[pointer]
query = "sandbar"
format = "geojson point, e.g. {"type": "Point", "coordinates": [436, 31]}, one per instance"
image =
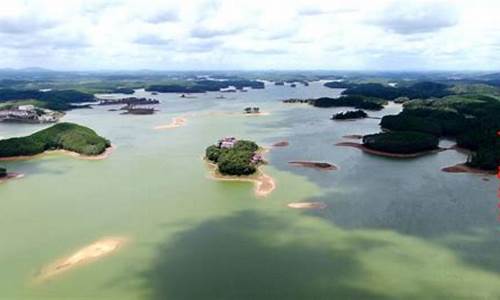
{"type": "Point", "coordinates": [307, 205]}
{"type": "Point", "coordinates": [263, 183]}
{"type": "Point", "coordinates": [84, 255]}
{"type": "Point", "coordinates": [463, 168]}
{"type": "Point", "coordinates": [281, 144]}
{"type": "Point", "coordinates": [176, 123]}
{"type": "Point", "coordinates": [101, 156]}
{"type": "Point", "coordinates": [11, 176]}
{"type": "Point", "coordinates": [388, 154]}
{"type": "Point", "coordinates": [314, 164]}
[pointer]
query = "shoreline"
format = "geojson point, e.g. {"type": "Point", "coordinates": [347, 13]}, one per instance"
{"type": "Point", "coordinates": [388, 154]}
{"type": "Point", "coordinates": [307, 205]}
{"type": "Point", "coordinates": [280, 144]}
{"type": "Point", "coordinates": [175, 123]}
{"type": "Point", "coordinates": [87, 254]}
{"type": "Point", "coordinates": [11, 176]}
{"type": "Point", "coordinates": [101, 156]}
{"type": "Point", "coordinates": [263, 183]}
{"type": "Point", "coordinates": [463, 168]}
{"type": "Point", "coordinates": [323, 166]}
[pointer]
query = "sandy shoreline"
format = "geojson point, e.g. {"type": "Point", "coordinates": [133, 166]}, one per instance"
{"type": "Point", "coordinates": [307, 205]}
{"type": "Point", "coordinates": [263, 183]}
{"type": "Point", "coordinates": [387, 154]}
{"type": "Point", "coordinates": [176, 123]}
{"type": "Point", "coordinates": [324, 166]}
{"type": "Point", "coordinates": [463, 168]}
{"type": "Point", "coordinates": [101, 156]}
{"type": "Point", "coordinates": [11, 176]}
{"type": "Point", "coordinates": [84, 255]}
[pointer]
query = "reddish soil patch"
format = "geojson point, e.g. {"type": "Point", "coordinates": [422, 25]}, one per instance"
{"type": "Point", "coordinates": [281, 144]}
{"type": "Point", "coordinates": [462, 168]}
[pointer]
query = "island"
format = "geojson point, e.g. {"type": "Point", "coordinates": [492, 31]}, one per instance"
{"type": "Point", "coordinates": [400, 144]}
{"type": "Point", "coordinates": [129, 101]}
{"type": "Point", "coordinates": [356, 101]}
{"type": "Point", "coordinates": [239, 160]}
{"type": "Point", "coordinates": [251, 110]}
{"type": "Point", "coordinates": [203, 86]}
{"type": "Point", "coordinates": [63, 136]}
{"type": "Point", "coordinates": [350, 115]}
{"type": "Point", "coordinates": [3, 172]}
{"type": "Point", "coordinates": [319, 165]}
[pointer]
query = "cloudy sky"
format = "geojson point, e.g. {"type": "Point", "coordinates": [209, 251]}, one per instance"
{"type": "Point", "coordinates": [253, 34]}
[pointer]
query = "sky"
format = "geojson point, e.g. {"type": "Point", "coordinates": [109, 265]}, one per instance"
{"type": "Point", "coordinates": [250, 35]}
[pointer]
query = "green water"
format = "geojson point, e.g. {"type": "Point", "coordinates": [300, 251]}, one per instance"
{"type": "Point", "coordinates": [392, 229]}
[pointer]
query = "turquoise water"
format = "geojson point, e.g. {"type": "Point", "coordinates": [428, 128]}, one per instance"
{"type": "Point", "coordinates": [393, 229]}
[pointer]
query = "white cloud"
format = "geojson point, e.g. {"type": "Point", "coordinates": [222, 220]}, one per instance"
{"type": "Point", "coordinates": [259, 34]}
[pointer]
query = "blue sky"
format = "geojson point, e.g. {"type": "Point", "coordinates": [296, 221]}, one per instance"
{"type": "Point", "coordinates": [257, 34]}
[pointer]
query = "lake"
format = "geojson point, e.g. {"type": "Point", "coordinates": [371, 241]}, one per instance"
{"type": "Point", "coordinates": [392, 229]}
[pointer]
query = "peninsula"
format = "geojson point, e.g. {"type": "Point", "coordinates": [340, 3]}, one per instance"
{"type": "Point", "coordinates": [63, 136]}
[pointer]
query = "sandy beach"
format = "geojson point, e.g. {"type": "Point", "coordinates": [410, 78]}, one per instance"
{"type": "Point", "coordinates": [263, 183]}
{"type": "Point", "coordinates": [84, 255]}
{"type": "Point", "coordinates": [307, 205]}
{"type": "Point", "coordinates": [314, 165]}
{"type": "Point", "coordinates": [11, 176]}
{"type": "Point", "coordinates": [387, 154]}
{"type": "Point", "coordinates": [176, 123]}
{"type": "Point", "coordinates": [101, 156]}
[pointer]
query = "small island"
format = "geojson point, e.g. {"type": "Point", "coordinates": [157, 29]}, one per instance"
{"type": "Point", "coordinates": [4, 175]}
{"type": "Point", "coordinates": [235, 157]}
{"type": "Point", "coordinates": [239, 160]}
{"type": "Point", "coordinates": [350, 115]}
{"type": "Point", "coordinates": [3, 172]}
{"type": "Point", "coordinates": [401, 144]}
{"type": "Point", "coordinates": [63, 136]}
{"type": "Point", "coordinates": [251, 110]}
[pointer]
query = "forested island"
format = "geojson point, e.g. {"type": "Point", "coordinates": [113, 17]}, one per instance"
{"type": "Point", "coordinates": [202, 86]}
{"type": "Point", "coordinates": [3, 172]}
{"type": "Point", "coordinates": [350, 115]}
{"type": "Point", "coordinates": [234, 157]}
{"type": "Point", "coordinates": [62, 136]}
{"type": "Point", "coordinates": [403, 142]}
{"type": "Point", "coordinates": [473, 120]}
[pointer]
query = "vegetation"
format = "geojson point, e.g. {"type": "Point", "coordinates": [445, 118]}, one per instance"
{"type": "Point", "coordinates": [202, 86]}
{"type": "Point", "coordinates": [419, 90]}
{"type": "Point", "coordinates": [67, 136]}
{"type": "Point", "coordinates": [339, 84]}
{"type": "Point", "coordinates": [237, 160]}
{"type": "Point", "coordinates": [353, 114]}
{"type": "Point", "coordinates": [360, 102]}
{"type": "Point", "coordinates": [472, 119]}
{"type": "Point", "coordinates": [404, 142]}
{"type": "Point", "coordinates": [55, 100]}
{"type": "Point", "coordinates": [3, 172]}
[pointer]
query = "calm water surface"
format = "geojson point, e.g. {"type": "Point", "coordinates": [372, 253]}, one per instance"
{"type": "Point", "coordinates": [393, 229]}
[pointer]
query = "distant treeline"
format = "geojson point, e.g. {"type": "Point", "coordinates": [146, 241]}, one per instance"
{"type": "Point", "coordinates": [356, 101]}
{"type": "Point", "coordinates": [55, 100]}
{"type": "Point", "coordinates": [203, 86]}
{"type": "Point", "coordinates": [419, 90]}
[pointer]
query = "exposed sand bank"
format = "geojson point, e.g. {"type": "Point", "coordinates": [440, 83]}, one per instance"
{"type": "Point", "coordinates": [263, 183]}
{"type": "Point", "coordinates": [307, 205]}
{"type": "Point", "coordinates": [281, 144]}
{"type": "Point", "coordinates": [314, 165]}
{"type": "Point", "coordinates": [11, 176]}
{"type": "Point", "coordinates": [87, 254]}
{"type": "Point", "coordinates": [176, 123]}
{"type": "Point", "coordinates": [387, 154]}
{"type": "Point", "coordinates": [463, 168]}
{"type": "Point", "coordinates": [101, 156]}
